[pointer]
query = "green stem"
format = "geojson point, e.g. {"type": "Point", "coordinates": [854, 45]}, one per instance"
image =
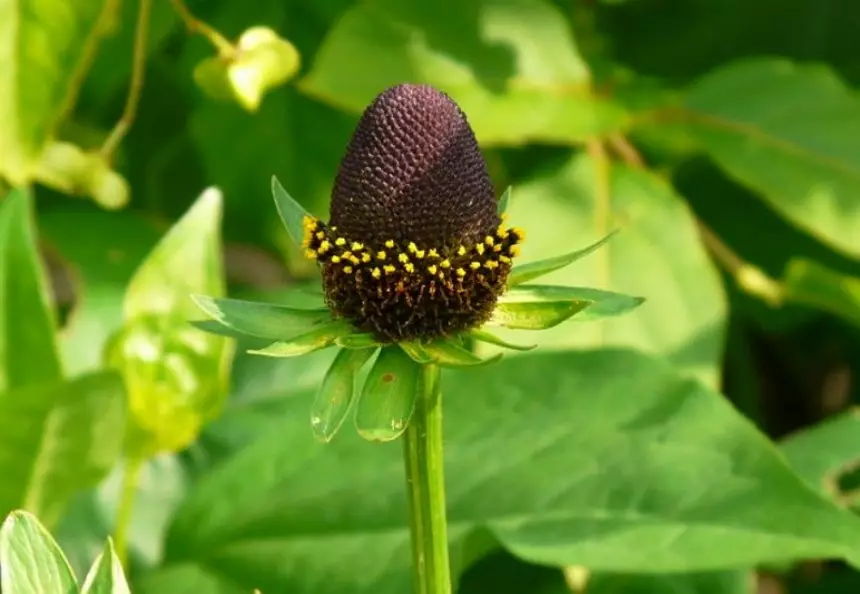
{"type": "Point", "coordinates": [425, 481]}
{"type": "Point", "coordinates": [130, 480]}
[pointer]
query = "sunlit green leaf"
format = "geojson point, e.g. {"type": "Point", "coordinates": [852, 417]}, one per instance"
{"type": "Point", "coordinates": [290, 211]}
{"type": "Point", "coordinates": [42, 46]}
{"type": "Point", "coordinates": [449, 353]}
{"type": "Point", "coordinates": [175, 375]}
{"type": "Point", "coordinates": [30, 559]}
{"type": "Point", "coordinates": [388, 397]}
{"type": "Point", "coordinates": [357, 341]}
{"type": "Point", "coordinates": [336, 392]}
{"type": "Point", "coordinates": [811, 283]}
{"type": "Point", "coordinates": [789, 132]}
{"type": "Point", "coordinates": [532, 270]}
{"type": "Point", "coordinates": [536, 89]}
{"type": "Point", "coordinates": [106, 575]}
{"type": "Point", "coordinates": [503, 201]}
{"type": "Point", "coordinates": [264, 320]}
{"type": "Point", "coordinates": [535, 315]}
{"type": "Point", "coordinates": [490, 338]}
{"type": "Point", "coordinates": [57, 438]}
{"type": "Point", "coordinates": [308, 342]}
{"type": "Point", "coordinates": [28, 352]}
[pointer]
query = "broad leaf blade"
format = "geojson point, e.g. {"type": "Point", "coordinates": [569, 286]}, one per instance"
{"type": "Point", "coordinates": [688, 474]}
{"type": "Point", "coordinates": [387, 400]}
{"type": "Point", "coordinates": [42, 47]}
{"type": "Point", "coordinates": [264, 320]}
{"type": "Point", "coordinates": [28, 352]}
{"type": "Point", "coordinates": [337, 392]}
{"type": "Point", "coordinates": [790, 132]}
{"type": "Point", "coordinates": [31, 560]}
{"type": "Point", "coordinates": [56, 439]}
{"type": "Point", "coordinates": [106, 575]}
{"type": "Point", "coordinates": [532, 270]}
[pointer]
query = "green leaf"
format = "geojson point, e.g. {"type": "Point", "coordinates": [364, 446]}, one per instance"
{"type": "Point", "coordinates": [262, 61]}
{"type": "Point", "coordinates": [308, 342]}
{"type": "Point", "coordinates": [503, 201]}
{"type": "Point", "coordinates": [337, 391]}
{"type": "Point", "coordinates": [658, 255]}
{"type": "Point", "coordinates": [106, 575]}
{"type": "Point", "coordinates": [808, 282]}
{"type": "Point", "coordinates": [264, 320]}
{"type": "Point", "coordinates": [56, 439]}
{"type": "Point", "coordinates": [175, 375]}
{"type": "Point", "coordinates": [42, 49]}
{"type": "Point", "coordinates": [291, 212]}
{"type": "Point", "coordinates": [490, 338]}
{"type": "Point", "coordinates": [388, 397]}
{"type": "Point", "coordinates": [789, 132]}
{"type": "Point", "coordinates": [358, 340]}
{"type": "Point", "coordinates": [688, 477]}
{"type": "Point", "coordinates": [416, 352]}
{"type": "Point", "coordinates": [821, 453]}
{"type": "Point", "coordinates": [449, 353]}
{"type": "Point", "coordinates": [31, 560]}
{"type": "Point", "coordinates": [532, 270]}
{"type": "Point", "coordinates": [28, 352]}
{"type": "Point", "coordinates": [535, 315]}
{"type": "Point", "coordinates": [537, 88]}
{"type": "Point", "coordinates": [68, 168]}
{"type": "Point", "coordinates": [727, 582]}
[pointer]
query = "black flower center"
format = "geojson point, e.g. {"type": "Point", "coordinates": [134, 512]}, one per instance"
{"type": "Point", "coordinates": [415, 248]}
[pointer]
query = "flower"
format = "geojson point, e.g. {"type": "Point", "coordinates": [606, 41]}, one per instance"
{"type": "Point", "coordinates": [416, 248]}
{"type": "Point", "coordinates": [415, 260]}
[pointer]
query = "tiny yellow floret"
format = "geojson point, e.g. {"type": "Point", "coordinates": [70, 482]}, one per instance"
{"type": "Point", "coordinates": [380, 255]}
{"type": "Point", "coordinates": [460, 272]}
{"type": "Point", "coordinates": [376, 273]}
{"type": "Point", "coordinates": [445, 263]}
{"type": "Point", "coordinates": [432, 269]}
{"type": "Point", "coordinates": [389, 244]}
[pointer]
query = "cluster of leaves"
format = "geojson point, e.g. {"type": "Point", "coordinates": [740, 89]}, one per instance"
{"type": "Point", "coordinates": [650, 449]}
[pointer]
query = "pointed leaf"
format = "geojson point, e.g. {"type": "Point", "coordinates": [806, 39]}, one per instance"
{"type": "Point", "coordinates": [357, 341]}
{"type": "Point", "coordinates": [503, 201]}
{"type": "Point", "coordinates": [387, 400]}
{"type": "Point", "coordinates": [176, 376]}
{"type": "Point", "coordinates": [106, 575]}
{"type": "Point", "coordinates": [337, 392]}
{"type": "Point", "coordinates": [535, 315]}
{"type": "Point", "coordinates": [306, 343]}
{"type": "Point", "coordinates": [42, 48]}
{"type": "Point", "coordinates": [532, 270]}
{"type": "Point", "coordinates": [56, 439]}
{"type": "Point", "coordinates": [264, 320]}
{"type": "Point", "coordinates": [448, 353]}
{"type": "Point", "coordinates": [31, 560]}
{"type": "Point", "coordinates": [600, 304]}
{"type": "Point", "coordinates": [490, 338]}
{"type": "Point", "coordinates": [28, 351]}
{"type": "Point", "coordinates": [416, 352]}
{"type": "Point", "coordinates": [291, 212]}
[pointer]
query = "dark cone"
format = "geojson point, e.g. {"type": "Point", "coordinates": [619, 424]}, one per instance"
{"type": "Point", "coordinates": [415, 247]}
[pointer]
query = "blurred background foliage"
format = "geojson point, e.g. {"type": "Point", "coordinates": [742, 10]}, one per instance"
{"type": "Point", "coordinates": [721, 136]}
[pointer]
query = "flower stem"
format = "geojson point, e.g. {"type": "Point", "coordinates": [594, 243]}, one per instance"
{"type": "Point", "coordinates": [425, 481]}
{"type": "Point", "coordinates": [130, 479]}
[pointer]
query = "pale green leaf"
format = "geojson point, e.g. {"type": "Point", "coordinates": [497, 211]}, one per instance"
{"type": "Point", "coordinates": [336, 393]}
{"type": "Point", "coordinates": [449, 353]}
{"type": "Point", "coordinates": [31, 560]}
{"type": "Point", "coordinates": [535, 315]}
{"type": "Point", "coordinates": [264, 320]}
{"type": "Point", "coordinates": [532, 270]}
{"type": "Point", "coordinates": [503, 201]}
{"type": "Point", "coordinates": [56, 439]}
{"type": "Point", "coordinates": [790, 132]}
{"type": "Point", "coordinates": [106, 575]}
{"type": "Point", "coordinates": [658, 256]}
{"type": "Point", "coordinates": [308, 342]}
{"type": "Point", "coordinates": [512, 65]}
{"type": "Point", "coordinates": [606, 459]}
{"type": "Point", "coordinates": [490, 338]}
{"type": "Point", "coordinates": [42, 45]}
{"type": "Point", "coordinates": [387, 399]}
{"type": "Point", "coordinates": [28, 352]}
{"type": "Point", "coordinates": [535, 307]}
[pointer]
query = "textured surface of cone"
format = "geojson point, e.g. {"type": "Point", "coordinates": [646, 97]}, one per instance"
{"type": "Point", "coordinates": [415, 247]}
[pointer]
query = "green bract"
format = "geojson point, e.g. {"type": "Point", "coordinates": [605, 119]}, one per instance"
{"type": "Point", "coordinates": [385, 401]}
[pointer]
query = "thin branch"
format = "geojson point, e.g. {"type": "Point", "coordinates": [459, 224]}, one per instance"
{"type": "Point", "coordinates": [136, 87]}
{"type": "Point", "coordinates": [625, 150]}
{"type": "Point", "coordinates": [196, 26]}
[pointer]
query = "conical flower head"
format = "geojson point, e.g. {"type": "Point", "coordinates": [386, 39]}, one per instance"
{"type": "Point", "coordinates": [415, 248]}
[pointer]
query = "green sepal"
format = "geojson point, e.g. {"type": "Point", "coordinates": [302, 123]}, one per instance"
{"type": "Point", "coordinates": [503, 201]}
{"type": "Point", "coordinates": [387, 400]}
{"type": "Point", "coordinates": [306, 343]}
{"type": "Point", "coordinates": [447, 352]}
{"type": "Point", "coordinates": [357, 340]}
{"type": "Point", "coordinates": [532, 270]}
{"type": "Point", "coordinates": [337, 392]}
{"type": "Point", "coordinates": [489, 338]}
{"type": "Point", "coordinates": [262, 320]}
{"type": "Point", "coordinates": [291, 212]}
{"type": "Point", "coordinates": [416, 352]}
{"type": "Point", "coordinates": [538, 307]}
